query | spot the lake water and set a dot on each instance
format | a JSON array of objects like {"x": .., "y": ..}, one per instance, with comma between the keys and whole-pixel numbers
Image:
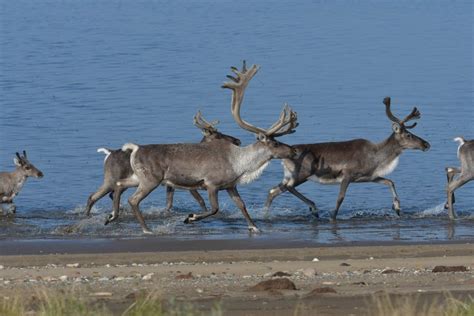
[{"x": 78, "y": 75}]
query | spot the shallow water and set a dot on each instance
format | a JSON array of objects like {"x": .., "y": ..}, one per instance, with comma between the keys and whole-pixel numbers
[{"x": 75, "y": 76}]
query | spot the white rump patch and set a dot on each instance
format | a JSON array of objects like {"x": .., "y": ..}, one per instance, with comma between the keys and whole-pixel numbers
[
  {"x": 460, "y": 140},
  {"x": 105, "y": 151},
  {"x": 386, "y": 169}
]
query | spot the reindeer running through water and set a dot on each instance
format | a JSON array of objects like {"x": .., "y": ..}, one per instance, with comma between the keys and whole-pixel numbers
[
  {"x": 117, "y": 166},
  {"x": 213, "y": 166},
  {"x": 11, "y": 183},
  {"x": 466, "y": 172},
  {"x": 357, "y": 160}
]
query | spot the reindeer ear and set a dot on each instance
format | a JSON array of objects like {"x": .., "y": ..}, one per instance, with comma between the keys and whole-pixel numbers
[
  {"x": 396, "y": 128},
  {"x": 262, "y": 137},
  {"x": 17, "y": 162},
  {"x": 206, "y": 132}
]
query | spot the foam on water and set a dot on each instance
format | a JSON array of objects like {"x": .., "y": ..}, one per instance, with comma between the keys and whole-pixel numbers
[{"x": 433, "y": 211}]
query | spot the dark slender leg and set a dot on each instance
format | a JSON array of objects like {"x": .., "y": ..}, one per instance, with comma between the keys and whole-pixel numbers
[
  {"x": 134, "y": 201},
  {"x": 94, "y": 197},
  {"x": 120, "y": 187},
  {"x": 312, "y": 206},
  {"x": 391, "y": 185},
  {"x": 452, "y": 186},
  {"x": 342, "y": 193},
  {"x": 199, "y": 199},
  {"x": 169, "y": 198},
  {"x": 116, "y": 204},
  {"x": 213, "y": 194},
  {"x": 234, "y": 194},
  {"x": 273, "y": 193},
  {"x": 450, "y": 173}
]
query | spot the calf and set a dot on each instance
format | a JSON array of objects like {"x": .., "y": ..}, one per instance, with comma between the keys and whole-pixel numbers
[{"x": 11, "y": 183}]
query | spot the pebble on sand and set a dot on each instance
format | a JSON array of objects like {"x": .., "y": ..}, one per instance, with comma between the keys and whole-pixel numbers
[
  {"x": 449, "y": 269},
  {"x": 274, "y": 284}
]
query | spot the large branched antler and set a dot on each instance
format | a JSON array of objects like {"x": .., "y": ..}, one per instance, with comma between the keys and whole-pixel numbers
[
  {"x": 285, "y": 124},
  {"x": 415, "y": 114},
  {"x": 204, "y": 125}
]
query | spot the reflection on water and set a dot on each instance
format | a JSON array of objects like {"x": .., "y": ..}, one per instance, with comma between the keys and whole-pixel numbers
[
  {"x": 79, "y": 75},
  {"x": 279, "y": 223}
]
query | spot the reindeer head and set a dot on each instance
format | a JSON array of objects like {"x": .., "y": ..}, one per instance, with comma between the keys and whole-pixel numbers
[
  {"x": 406, "y": 139},
  {"x": 265, "y": 137},
  {"x": 27, "y": 167},
  {"x": 210, "y": 131}
]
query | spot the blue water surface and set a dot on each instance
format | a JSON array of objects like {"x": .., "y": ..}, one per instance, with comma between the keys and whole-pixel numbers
[{"x": 78, "y": 75}]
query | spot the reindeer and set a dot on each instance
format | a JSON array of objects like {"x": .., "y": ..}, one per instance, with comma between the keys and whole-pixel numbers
[
  {"x": 357, "y": 160},
  {"x": 117, "y": 166},
  {"x": 11, "y": 183},
  {"x": 214, "y": 166},
  {"x": 466, "y": 173}
]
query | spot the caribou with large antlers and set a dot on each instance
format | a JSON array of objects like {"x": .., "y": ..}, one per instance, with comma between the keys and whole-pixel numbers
[
  {"x": 466, "y": 172},
  {"x": 117, "y": 166},
  {"x": 357, "y": 160},
  {"x": 11, "y": 183},
  {"x": 213, "y": 166}
]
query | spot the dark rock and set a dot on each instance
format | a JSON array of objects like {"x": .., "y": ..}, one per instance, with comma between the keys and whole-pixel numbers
[
  {"x": 390, "y": 271},
  {"x": 344, "y": 264},
  {"x": 186, "y": 276},
  {"x": 281, "y": 274},
  {"x": 360, "y": 283},
  {"x": 322, "y": 290},
  {"x": 449, "y": 269},
  {"x": 274, "y": 284}
]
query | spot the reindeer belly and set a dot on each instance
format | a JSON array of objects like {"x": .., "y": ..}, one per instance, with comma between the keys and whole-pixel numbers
[
  {"x": 326, "y": 179},
  {"x": 187, "y": 184}
]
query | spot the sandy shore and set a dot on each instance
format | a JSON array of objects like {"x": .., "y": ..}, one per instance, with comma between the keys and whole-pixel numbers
[{"x": 222, "y": 271}]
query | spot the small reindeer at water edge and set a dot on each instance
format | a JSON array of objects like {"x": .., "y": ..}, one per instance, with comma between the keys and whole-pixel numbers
[
  {"x": 466, "y": 172},
  {"x": 11, "y": 183}
]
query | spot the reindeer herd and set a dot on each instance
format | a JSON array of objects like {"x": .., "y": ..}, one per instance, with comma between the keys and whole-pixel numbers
[{"x": 219, "y": 163}]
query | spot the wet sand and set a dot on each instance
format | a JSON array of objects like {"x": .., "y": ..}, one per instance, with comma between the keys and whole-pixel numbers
[{"x": 205, "y": 272}]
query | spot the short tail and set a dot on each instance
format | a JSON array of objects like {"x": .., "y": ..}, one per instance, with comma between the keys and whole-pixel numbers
[
  {"x": 106, "y": 151},
  {"x": 460, "y": 140},
  {"x": 130, "y": 146}
]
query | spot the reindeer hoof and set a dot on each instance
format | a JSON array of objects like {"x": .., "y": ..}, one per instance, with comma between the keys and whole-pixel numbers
[
  {"x": 110, "y": 219},
  {"x": 147, "y": 231},
  {"x": 254, "y": 230},
  {"x": 314, "y": 211},
  {"x": 191, "y": 218}
]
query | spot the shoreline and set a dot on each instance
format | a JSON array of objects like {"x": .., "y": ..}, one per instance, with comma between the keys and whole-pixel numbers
[{"x": 18, "y": 247}]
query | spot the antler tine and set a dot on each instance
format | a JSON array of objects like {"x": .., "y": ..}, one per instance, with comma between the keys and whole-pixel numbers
[
  {"x": 238, "y": 86},
  {"x": 18, "y": 156},
  {"x": 392, "y": 117},
  {"x": 286, "y": 124},
  {"x": 202, "y": 124},
  {"x": 410, "y": 126},
  {"x": 415, "y": 114},
  {"x": 24, "y": 154}
]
